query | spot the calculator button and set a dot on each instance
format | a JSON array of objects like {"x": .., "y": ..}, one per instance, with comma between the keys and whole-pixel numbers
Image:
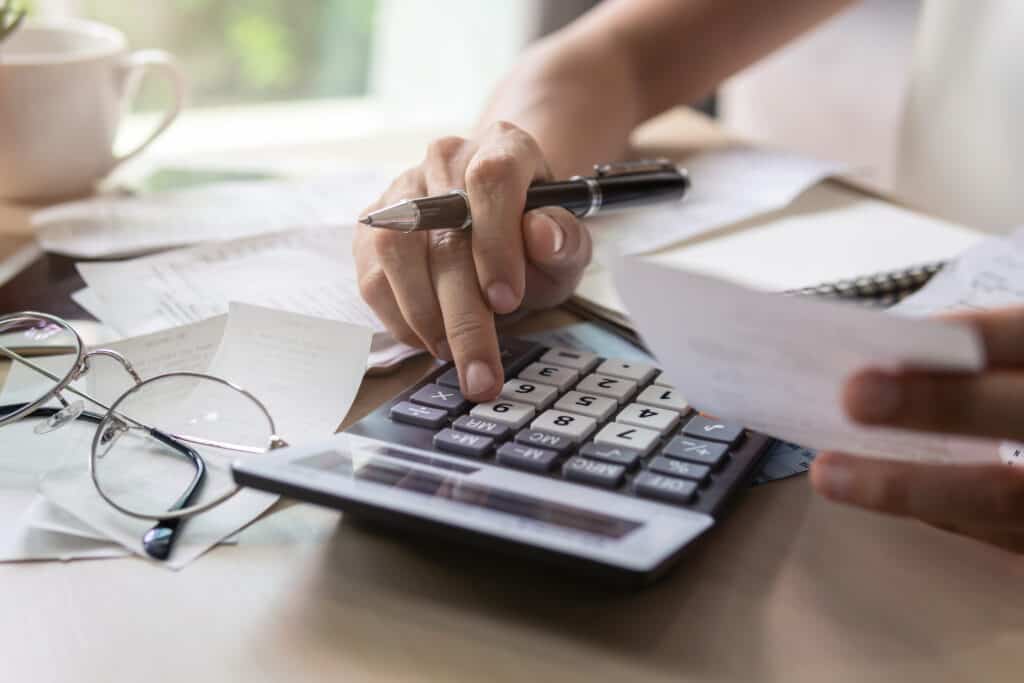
[
  {"x": 538, "y": 395},
  {"x": 613, "y": 454},
  {"x": 510, "y": 413},
  {"x": 444, "y": 398},
  {"x": 574, "y": 427},
  {"x": 527, "y": 457},
  {"x": 478, "y": 425},
  {"x": 474, "y": 445},
  {"x": 696, "y": 450},
  {"x": 516, "y": 353},
  {"x": 612, "y": 387},
  {"x": 663, "y": 397},
  {"x": 678, "y": 468},
  {"x": 663, "y": 381},
  {"x": 552, "y": 375},
  {"x": 671, "y": 489},
  {"x": 657, "y": 419},
  {"x": 421, "y": 416},
  {"x": 598, "y": 407},
  {"x": 593, "y": 472},
  {"x": 713, "y": 430},
  {"x": 580, "y": 361},
  {"x": 618, "y": 435},
  {"x": 449, "y": 378},
  {"x": 554, "y": 442},
  {"x": 638, "y": 372}
]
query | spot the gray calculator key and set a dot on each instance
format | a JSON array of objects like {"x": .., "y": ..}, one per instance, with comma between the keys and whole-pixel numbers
[
  {"x": 449, "y": 378},
  {"x": 594, "y": 472},
  {"x": 696, "y": 450},
  {"x": 618, "y": 435},
  {"x": 574, "y": 427},
  {"x": 421, "y": 416},
  {"x": 627, "y": 369},
  {"x": 598, "y": 407},
  {"x": 527, "y": 457},
  {"x": 478, "y": 425},
  {"x": 662, "y": 380},
  {"x": 612, "y": 387},
  {"x": 658, "y": 419},
  {"x": 510, "y": 413},
  {"x": 580, "y": 361},
  {"x": 538, "y": 395},
  {"x": 613, "y": 454},
  {"x": 474, "y": 445},
  {"x": 679, "y": 468},
  {"x": 554, "y": 442},
  {"x": 663, "y": 397},
  {"x": 713, "y": 430},
  {"x": 552, "y": 375},
  {"x": 671, "y": 489},
  {"x": 444, "y": 398},
  {"x": 516, "y": 353}
]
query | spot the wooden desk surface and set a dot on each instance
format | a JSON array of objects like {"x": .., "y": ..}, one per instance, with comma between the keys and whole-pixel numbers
[{"x": 788, "y": 588}]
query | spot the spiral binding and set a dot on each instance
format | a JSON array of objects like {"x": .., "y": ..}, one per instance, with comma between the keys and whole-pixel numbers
[{"x": 879, "y": 290}]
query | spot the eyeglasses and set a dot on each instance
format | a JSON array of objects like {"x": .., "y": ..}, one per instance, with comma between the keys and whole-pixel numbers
[{"x": 154, "y": 445}]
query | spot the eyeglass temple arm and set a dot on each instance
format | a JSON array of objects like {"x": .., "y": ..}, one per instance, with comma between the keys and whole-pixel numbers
[{"x": 159, "y": 540}]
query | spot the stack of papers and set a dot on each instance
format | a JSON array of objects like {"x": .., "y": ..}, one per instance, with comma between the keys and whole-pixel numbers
[{"x": 306, "y": 370}]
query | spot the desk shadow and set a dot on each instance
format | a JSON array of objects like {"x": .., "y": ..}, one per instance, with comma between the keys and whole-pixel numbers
[{"x": 684, "y": 624}]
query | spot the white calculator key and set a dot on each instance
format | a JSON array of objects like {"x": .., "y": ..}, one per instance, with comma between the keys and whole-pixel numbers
[
  {"x": 612, "y": 387},
  {"x": 598, "y": 407},
  {"x": 638, "y": 372},
  {"x": 580, "y": 361},
  {"x": 510, "y": 413},
  {"x": 618, "y": 435},
  {"x": 663, "y": 397},
  {"x": 538, "y": 395},
  {"x": 662, "y": 380},
  {"x": 553, "y": 375},
  {"x": 658, "y": 419},
  {"x": 575, "y": 427}
]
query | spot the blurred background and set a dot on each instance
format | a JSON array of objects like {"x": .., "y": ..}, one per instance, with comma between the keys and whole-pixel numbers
[{"x": 848, "y": 75}]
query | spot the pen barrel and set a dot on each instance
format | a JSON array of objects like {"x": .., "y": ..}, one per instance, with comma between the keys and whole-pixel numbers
[
  {"x": 641, "y": 189},
  {"x": 573, "y": 195}
]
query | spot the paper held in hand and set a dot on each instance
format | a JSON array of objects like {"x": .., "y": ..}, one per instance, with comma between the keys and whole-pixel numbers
[{"x": 777, "y": 364}]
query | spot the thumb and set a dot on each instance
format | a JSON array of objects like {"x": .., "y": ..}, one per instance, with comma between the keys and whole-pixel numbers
[{"x": 558, "y": 248}]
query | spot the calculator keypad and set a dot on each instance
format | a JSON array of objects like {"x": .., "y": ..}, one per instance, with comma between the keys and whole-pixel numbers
[{"x": 570, "y": 414}]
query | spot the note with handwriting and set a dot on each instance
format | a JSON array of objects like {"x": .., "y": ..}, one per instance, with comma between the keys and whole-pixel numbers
[
  {"x": 109, "y": 226},
  {"x": 777, "y": 364},
  {"x": 728, "y": 185}
]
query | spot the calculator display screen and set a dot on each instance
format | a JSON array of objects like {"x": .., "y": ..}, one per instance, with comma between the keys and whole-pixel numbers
[{"x": 428, "y": 483}]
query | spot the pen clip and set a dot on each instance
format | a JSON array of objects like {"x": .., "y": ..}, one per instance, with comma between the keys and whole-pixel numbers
[{"x": 638, "y": 166}]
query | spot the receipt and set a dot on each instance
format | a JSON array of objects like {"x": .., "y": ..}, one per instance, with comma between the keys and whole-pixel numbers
[
  {"x": 777, "y": 364},
  {"x": 123, "y": 226},
  {"x": 728, "y": 185}
]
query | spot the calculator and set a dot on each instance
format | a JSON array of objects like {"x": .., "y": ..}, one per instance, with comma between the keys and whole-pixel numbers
[{"x": 592, "y": 462}]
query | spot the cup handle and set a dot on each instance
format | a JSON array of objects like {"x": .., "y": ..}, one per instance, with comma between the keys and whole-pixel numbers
[{"x": 136, "y": 65}]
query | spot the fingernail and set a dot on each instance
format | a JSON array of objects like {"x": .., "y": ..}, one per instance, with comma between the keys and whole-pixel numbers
[
  {"x": 479, "y": 378},
  {"x": 876, "y": 398},
  {"x": 442, "y": 350},
  {"x": 502, "y": 298},
  {"x": 834, "y": 480},
  {"x": 557, "y": 235}
]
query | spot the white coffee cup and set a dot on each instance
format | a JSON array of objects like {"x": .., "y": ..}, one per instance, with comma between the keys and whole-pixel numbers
[{"x": 65, "y": 85}]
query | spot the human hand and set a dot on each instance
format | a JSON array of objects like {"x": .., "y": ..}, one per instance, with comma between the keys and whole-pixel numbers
[
  {"x": 985, "y": 502},
  {"x": 440, "y": 290}
]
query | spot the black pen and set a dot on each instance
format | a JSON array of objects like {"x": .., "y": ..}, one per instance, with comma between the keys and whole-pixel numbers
[{"x": 613, "y": 186}]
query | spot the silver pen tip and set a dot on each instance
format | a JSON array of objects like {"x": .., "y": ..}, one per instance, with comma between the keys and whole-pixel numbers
[{"x": 366, "y": 220}]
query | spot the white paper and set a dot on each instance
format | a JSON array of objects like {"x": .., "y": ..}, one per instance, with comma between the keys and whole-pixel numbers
[
  {"x": 727, "y": 186},
  {"x": 777, "y": 364},
  {"x": 306, "y": 371},
  {"x": 124, "y": 226}
]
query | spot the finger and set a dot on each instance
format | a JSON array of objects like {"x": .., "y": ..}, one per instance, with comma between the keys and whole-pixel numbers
[
  {"x": 990, "y": 496},
  {"x": 558, "y": 249},
  {"x": 468, "y": 320},
  {"x": 497, "y": 179},
  {"x": 1001, "y": 331},
  {"x": 974, "y": 404},
  {"x": 376, "y": 292}
]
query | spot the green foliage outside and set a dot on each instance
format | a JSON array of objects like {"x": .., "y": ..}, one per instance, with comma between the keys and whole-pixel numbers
[{"x": 252, "y": 50}]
